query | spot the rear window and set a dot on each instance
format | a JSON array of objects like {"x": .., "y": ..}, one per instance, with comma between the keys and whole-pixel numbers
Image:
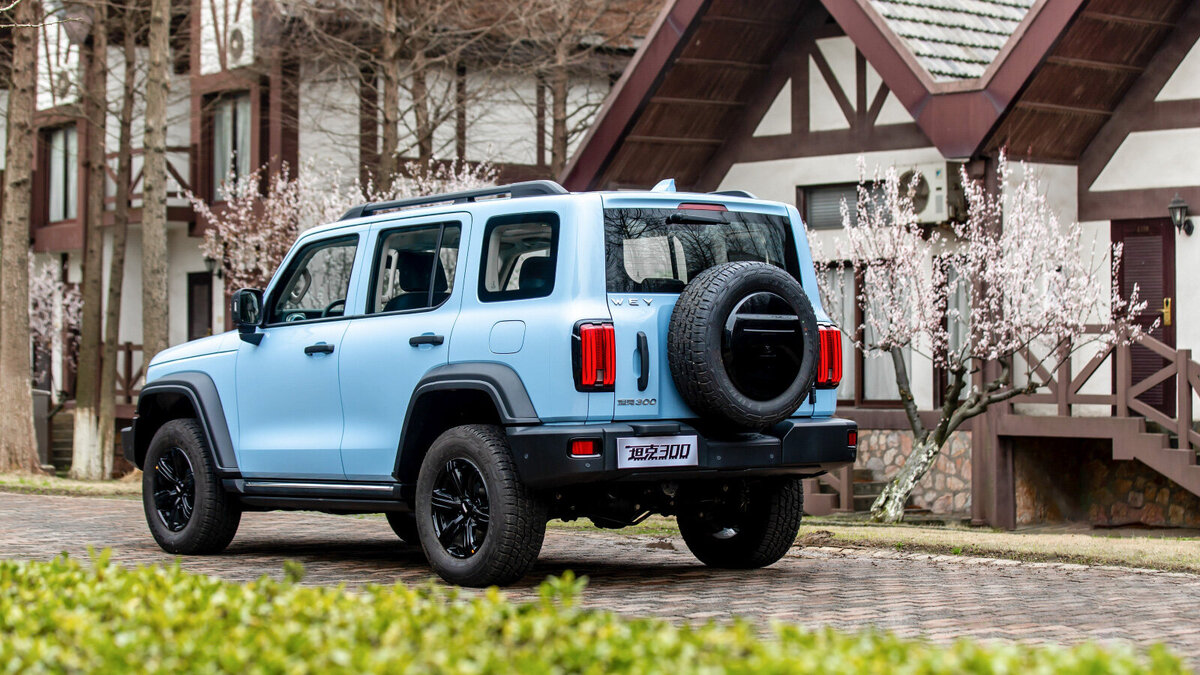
[{"x": 660, "y": 250}]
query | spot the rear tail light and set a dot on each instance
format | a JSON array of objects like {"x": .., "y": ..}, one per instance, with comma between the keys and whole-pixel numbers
[
  {"x": 595, "y": 356},
  {"x": 585, "y": 447},
  {"x": 829, "y": 364},
  {"x": 852, "y": 439}
]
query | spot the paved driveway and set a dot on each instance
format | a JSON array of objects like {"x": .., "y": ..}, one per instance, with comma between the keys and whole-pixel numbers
[{"x": 941, "y": 598}]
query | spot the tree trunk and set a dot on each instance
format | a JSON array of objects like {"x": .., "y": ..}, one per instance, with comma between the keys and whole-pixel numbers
[
  {"x": 889, "y": 506},
  {"x": 116, "y": 268},
  {"x": 559, "y": 87},
  {"x": 154, "y": 184},
  {"x": 18, "y": 445},
  {"x": 87, "y": 455},
  {"x": 420, "y": 100},
  {"x": 390, "y": 103}
]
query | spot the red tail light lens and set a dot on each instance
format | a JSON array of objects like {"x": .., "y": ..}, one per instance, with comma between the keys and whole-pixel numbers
[
  {"x": 597, "y": 357},
  {"x": 584, "y": 447},
  {"x": 852, "y": 439},
  {"x": 829, "y": 364}
]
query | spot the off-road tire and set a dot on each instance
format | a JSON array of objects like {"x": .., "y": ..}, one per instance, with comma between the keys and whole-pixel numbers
[
  {"x": 517, "y": 518},
  {"x": 766, "y": 529},
  {"x": 215, "y": 514},
  {"x": 694, "y": 344},
  {"x": 404, "y": 524}
]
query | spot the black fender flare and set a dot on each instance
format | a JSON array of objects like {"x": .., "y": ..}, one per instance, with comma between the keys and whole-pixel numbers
[
  {"x": 498, "y": 381},
  {"x": 155, "y": 408}
]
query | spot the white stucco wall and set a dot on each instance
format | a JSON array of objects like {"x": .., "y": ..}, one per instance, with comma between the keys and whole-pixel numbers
[
  {"x": 824, "y": 112},
  {"x": 328, "y": 132},
  {"x": 1185, "y": 81}
]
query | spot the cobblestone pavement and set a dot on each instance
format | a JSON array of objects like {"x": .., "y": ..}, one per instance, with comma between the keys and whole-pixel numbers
[{"x": 938, "y": 597}]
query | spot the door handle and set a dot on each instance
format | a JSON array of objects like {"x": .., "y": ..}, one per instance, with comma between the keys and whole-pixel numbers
[
  {"x": 418, "y": 340},
  {"x": 1166, "y": 311},
  {"x": 319, "y": 348},
  {"x": 643, "y": 346}
]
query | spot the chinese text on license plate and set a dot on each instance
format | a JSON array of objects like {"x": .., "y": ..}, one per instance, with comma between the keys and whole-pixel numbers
[{"x": 652, "y": 451}]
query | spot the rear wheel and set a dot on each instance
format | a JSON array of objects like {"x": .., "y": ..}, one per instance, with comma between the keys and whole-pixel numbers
[
  {"x": 186, "y": 508},
  {"x": 753, "y": 528},
  {"x": 477, "y": 523}
]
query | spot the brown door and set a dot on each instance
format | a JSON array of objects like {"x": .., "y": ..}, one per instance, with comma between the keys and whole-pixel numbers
[
  {"x": 1148, "y": 262},
  {"x": 199, "y": 298}
]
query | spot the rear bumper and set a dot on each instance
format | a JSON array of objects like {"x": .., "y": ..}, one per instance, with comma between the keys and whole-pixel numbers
[{"x": 799, "y": 447}]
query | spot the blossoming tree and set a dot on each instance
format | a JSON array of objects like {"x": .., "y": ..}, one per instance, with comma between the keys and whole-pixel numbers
[
  {"x": 1030, "y": 290},
  {"x": 261, "y": 217}
]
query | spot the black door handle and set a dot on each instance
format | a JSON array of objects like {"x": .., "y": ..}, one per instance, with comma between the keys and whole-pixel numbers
[
  {"x": 319, "y": 348},
  {"x": 418, "y": 340},
  {"x": 643, "y": 346}
]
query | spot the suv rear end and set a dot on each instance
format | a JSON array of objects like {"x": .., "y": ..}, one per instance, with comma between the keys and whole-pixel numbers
[{"x": 649, "y": 445}]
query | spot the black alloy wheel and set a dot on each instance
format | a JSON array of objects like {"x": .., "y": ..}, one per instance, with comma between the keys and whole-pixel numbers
[
  {"x": 460, "y": 508},
  {"x": 174, "y": 489}
]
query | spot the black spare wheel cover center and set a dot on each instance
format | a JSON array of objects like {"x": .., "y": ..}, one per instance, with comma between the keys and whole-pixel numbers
[{"x": 743, "y": 344}]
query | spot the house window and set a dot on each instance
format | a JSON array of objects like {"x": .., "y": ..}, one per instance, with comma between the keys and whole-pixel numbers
[
  {"x": 867, "y": 379},
  {"x": 230, "y": 140},
  {"x": 822, "y": 204},
  {"x": 63, "y": 173}
]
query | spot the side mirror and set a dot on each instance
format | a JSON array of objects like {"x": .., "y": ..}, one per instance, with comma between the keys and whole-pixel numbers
[{"x": 247, "y": 312}]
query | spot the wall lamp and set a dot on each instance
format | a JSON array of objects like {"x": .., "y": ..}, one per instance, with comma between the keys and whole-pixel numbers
[
  {"x": 210, "y": 264},
  {"x": 1179, "y": 210}
]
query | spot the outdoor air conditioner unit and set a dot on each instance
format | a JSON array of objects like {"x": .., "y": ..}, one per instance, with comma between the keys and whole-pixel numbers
[{"x": 938, "y": 194}]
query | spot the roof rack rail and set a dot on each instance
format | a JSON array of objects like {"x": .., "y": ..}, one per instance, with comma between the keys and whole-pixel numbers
[{"x": 532, "y": 188}]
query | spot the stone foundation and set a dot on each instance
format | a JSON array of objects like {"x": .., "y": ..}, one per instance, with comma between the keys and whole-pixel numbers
[
  {"x": 1078, "y": 480},
  {"x": 945, "y": 489}
]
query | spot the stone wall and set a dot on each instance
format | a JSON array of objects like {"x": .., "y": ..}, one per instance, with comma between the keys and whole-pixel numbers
[
  {"x": 1079, "y": 481},
  {"x": 947, "y": 486}
]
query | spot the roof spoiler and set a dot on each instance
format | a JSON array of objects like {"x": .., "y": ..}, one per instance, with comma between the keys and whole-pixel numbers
[{"x": 533, "y": 188}]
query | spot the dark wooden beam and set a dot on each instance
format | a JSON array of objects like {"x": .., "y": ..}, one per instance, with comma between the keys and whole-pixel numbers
[
  {"x": 1064, "y": 109},
  {"x": 670, "y": 140},
  {"x": 718, "y": 63},
  {"x": 739, "y": 19},
  {"x": 1096, "y": 65},
  {"x": 696, "y": 101},
  {"x": 1128, "y": 20}
]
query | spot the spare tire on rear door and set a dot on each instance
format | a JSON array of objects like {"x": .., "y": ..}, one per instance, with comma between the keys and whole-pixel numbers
[{"x": 743, "y": 344}]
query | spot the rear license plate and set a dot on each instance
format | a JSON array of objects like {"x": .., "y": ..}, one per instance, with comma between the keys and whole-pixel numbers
[{"x": 654, "y": 451}]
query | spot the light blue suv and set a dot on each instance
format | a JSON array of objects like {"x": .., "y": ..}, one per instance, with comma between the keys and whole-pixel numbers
[{"x": 474, "y": 364}]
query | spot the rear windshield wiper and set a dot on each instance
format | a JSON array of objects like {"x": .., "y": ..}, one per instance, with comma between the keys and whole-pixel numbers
[{"x": 696, "y": 218}]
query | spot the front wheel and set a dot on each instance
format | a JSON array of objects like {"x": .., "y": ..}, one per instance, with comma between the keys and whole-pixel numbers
[
  {"x": 478, "y": 524},
  {"x": 748, "y": 529},
  {"x": 186, "y": 508}
]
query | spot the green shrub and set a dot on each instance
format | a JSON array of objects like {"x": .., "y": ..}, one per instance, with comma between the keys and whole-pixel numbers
[{"x": 63, "y": 616}]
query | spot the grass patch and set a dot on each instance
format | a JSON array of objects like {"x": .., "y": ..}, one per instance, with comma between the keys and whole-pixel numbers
[
  {"x": 127, "y": 488},
  {"x": 1179, "y": 554},
  {"x": 61, "y": 616}
]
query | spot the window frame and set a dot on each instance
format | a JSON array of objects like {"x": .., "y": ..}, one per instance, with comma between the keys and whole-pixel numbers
[
  {"x": 860, "y": 356},
  {"x": 206, "y": 180},
  {"x": 70, "y": 198},
  {"x": 289, "y": 270},
  {"x": 553, "y": 220},
  {"x": 381, "y": 238}
]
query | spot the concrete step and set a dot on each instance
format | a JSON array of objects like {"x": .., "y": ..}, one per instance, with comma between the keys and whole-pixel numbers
[
  {"x": 871, "y": 488},
  {"x": 865, "y": 475},
  {"x": 820, "y": 504},
  {"x": 864, "y": 502}
]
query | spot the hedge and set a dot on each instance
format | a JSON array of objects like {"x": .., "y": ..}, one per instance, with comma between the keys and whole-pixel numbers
[{"x": 65, "y": 616}]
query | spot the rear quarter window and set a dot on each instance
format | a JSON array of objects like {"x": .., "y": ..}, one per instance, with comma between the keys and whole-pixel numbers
[{"x": 660, "y": 250}]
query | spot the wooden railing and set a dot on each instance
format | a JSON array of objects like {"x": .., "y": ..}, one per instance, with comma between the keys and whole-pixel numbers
[
  {"x": 1064, "y": 388},
  {"x": 129, "y": 379},
  {"x": 135, "y": 182}
]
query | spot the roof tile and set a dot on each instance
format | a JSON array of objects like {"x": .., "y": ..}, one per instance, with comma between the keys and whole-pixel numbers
[{"x": 954, "y": 39}]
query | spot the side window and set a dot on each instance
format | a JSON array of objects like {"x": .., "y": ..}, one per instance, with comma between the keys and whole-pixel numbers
[
  {"x": 316, "y": 282},
  {"x": 414, "y": 268},
  {"x": 519, "y": 255}
]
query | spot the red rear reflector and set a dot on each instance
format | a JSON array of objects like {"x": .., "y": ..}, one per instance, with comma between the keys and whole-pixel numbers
[
  {"x": 597, "y": 355},
  {"x": 584, "y": 447},
  {"x": 700, "y": 206},
  {"x": 852, "y": 439},
  {"x": 829, "y": 363}
]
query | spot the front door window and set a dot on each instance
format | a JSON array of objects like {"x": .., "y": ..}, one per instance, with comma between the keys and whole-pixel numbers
[{"x": 316, "y": 283}]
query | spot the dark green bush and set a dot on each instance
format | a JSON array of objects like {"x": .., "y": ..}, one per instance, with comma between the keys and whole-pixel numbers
[{"x": 64, "y": 616}]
